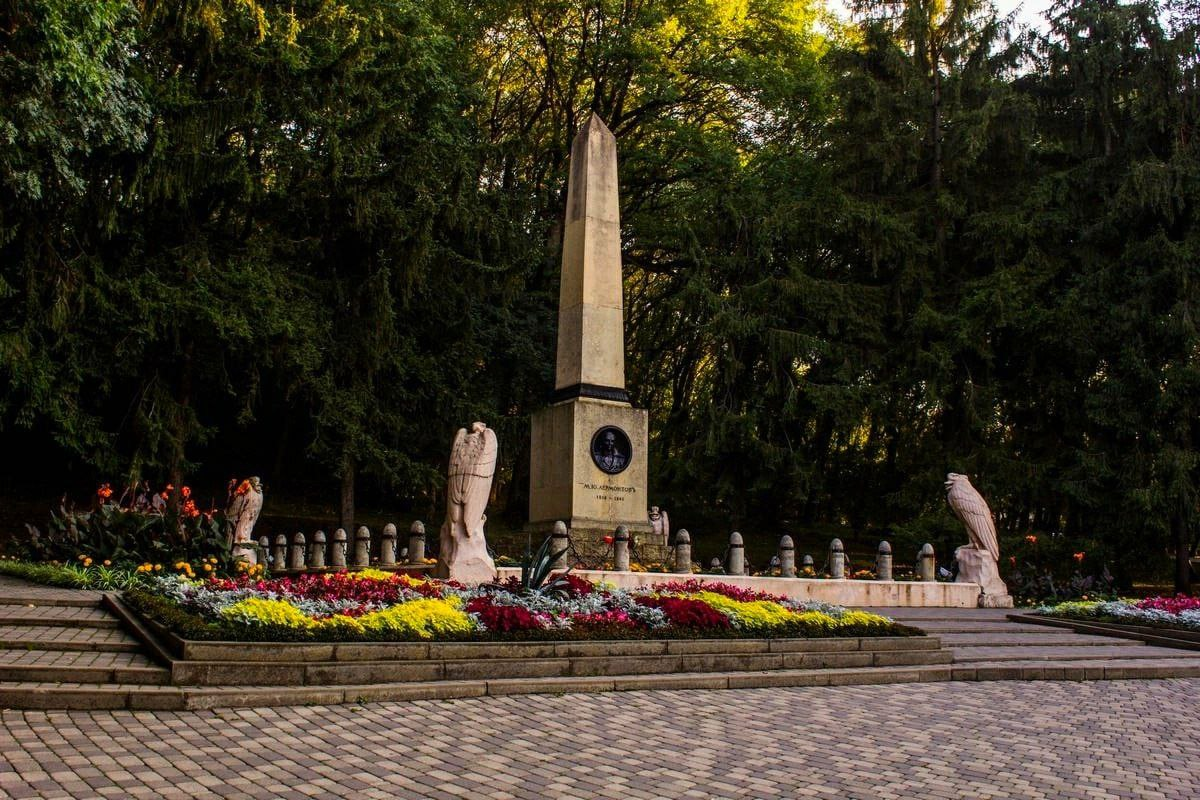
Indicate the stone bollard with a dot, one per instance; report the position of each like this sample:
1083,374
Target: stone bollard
837,559
808,563
926,564
298,548
362,547
737,555
683,551
337,553
559,541
279,554
416,543
264,549
787,557
883,562
714,566
316,558
621,549
387,546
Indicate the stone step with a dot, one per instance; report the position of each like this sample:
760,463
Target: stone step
1078,670
209,673
913,615
1020,639
943,627
1087,653
40,695
299,652
66,598
64,616
44,637
80,667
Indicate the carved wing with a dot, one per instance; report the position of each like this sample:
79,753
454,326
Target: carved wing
236,506
972,510
458,455
477,486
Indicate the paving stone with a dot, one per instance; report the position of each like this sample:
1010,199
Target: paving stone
1110,739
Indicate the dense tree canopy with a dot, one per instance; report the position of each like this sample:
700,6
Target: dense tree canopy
309,239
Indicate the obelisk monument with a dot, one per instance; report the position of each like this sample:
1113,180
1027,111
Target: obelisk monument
588,460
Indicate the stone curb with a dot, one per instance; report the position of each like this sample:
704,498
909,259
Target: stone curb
1184,640
82,697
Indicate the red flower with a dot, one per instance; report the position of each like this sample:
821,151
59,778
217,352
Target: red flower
105,491
1078,557
686,612
608,540
1031,539
732,592
503,619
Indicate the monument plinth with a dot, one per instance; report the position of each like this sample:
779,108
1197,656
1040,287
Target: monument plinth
589,453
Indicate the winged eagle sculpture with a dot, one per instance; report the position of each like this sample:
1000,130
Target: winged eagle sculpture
978,562
245,504
463,550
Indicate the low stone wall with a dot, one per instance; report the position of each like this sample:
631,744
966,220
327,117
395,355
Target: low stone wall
853,593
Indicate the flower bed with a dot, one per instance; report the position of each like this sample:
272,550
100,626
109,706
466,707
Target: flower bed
378,606
1167,612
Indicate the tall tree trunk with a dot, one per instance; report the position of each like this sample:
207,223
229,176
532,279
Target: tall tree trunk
1183,569
182,424
346,507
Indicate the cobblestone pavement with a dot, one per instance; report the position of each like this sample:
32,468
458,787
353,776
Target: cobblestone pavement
1108,739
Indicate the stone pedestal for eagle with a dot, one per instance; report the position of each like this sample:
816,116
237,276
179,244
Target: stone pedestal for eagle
462,552
978,562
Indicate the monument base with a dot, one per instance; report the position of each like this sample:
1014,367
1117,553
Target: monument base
566,481
978,567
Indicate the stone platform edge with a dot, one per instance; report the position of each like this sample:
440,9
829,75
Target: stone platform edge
842,592
1159,637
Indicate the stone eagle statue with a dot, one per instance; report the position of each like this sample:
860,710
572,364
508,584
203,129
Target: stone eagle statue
463,552
978,562
245,504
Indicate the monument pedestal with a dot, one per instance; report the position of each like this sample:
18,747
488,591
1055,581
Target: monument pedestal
593,484
978,566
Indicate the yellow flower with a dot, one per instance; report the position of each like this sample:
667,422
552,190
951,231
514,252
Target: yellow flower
207,568
372,574
257,611
158,567
424,618
107,563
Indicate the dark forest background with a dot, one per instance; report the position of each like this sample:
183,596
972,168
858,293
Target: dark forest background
309,239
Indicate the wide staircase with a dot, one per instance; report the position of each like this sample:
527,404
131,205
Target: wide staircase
80,650
1001,644
60,649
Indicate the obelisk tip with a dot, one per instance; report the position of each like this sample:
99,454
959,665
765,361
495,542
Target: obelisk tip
593,126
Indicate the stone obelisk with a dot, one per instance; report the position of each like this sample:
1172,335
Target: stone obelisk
588,460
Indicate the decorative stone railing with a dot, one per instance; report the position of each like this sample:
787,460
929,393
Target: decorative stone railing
341,552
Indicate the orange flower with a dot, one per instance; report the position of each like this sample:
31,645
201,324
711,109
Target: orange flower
190,510
105,491
1031,539
186,492
243,487
1078,557
166,492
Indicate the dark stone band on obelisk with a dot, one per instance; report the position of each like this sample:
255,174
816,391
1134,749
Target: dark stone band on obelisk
613,393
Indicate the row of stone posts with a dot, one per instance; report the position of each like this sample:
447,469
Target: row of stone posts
735,563
300,554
